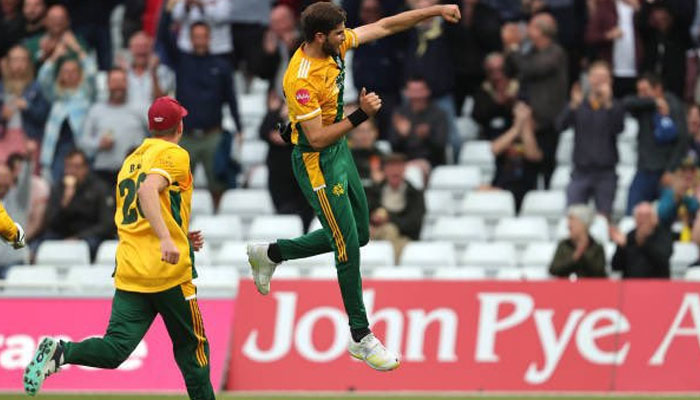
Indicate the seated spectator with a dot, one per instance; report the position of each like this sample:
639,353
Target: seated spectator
284,190
41,46
81,206
580,254
645,252
11,25
368,158
693,118
419,128
38,194
34,12
517,155
204,83
678,202
112,129
597,119
15,198
213,13
494,100
662,140
396,208
147,78
24,109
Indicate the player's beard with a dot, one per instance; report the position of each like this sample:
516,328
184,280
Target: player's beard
329,49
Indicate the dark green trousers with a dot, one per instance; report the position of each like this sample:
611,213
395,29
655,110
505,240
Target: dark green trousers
132,315
331,184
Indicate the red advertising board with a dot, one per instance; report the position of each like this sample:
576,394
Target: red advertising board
595,335
151,367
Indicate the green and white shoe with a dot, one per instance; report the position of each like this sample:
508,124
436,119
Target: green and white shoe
373,353
261,266
47,360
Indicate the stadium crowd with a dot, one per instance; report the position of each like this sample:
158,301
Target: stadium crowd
550,89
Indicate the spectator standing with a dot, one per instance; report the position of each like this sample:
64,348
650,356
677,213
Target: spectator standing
542,73
627,51
91,21
147,78
11,25
284,190
396,207
645,252
597,119
204,84
476,35
693,119
24,109
41,46
420,128
112,130
34,13
579,254
378,65
38,195
215,14
15,198
71,93
662,140
278,45
249,19
133,18
494,100
517,155
81,206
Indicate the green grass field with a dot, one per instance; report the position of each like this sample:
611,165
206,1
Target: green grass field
339,397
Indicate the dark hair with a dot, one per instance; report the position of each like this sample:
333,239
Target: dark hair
79,153
199,23
652,78
14,158
394,158
166,132
320,17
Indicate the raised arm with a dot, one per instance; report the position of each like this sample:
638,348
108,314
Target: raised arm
400,22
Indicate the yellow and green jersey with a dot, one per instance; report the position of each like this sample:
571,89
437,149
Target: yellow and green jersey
139,264
314,86
8,230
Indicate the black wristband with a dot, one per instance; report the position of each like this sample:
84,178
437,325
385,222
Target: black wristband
358,117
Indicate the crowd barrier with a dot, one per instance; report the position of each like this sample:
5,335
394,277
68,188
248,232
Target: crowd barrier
588,335
151,367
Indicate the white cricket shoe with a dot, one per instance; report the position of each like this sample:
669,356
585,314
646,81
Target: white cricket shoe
373,353
261,266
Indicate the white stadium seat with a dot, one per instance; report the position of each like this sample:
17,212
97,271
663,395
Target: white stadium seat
620,202
271,227
439,202
538,254
258,177
325,260
536,273
202,202
625,175
246,202
692,274
315,225
561,177
522,230
204,256
397,273
253,152
478,153
219,228
510,274
91,280
455,178
213,282
63,253
565,150
489,254
286,271
253,104
232,253
489,204
544,203
377,253
628,153
29,280
323,273
429,254
684,254
457,273
414,175
458,229
627,224
106,253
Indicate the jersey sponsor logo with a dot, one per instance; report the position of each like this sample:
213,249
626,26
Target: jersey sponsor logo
303,96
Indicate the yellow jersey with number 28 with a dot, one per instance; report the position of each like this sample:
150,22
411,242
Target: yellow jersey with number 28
139,265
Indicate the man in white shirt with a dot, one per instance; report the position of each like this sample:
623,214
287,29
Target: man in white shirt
147,78
215,13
